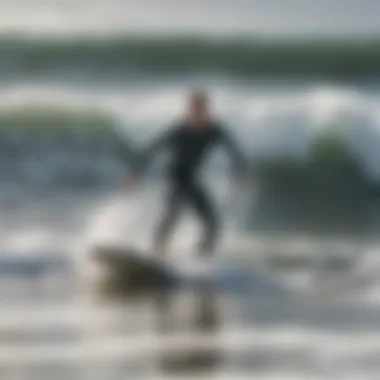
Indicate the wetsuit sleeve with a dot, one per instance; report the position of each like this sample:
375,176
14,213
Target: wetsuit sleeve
147,154
122,146
239,161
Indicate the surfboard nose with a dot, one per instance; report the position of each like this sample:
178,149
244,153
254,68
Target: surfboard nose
132,268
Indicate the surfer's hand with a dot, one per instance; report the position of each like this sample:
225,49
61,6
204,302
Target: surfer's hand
131,183
240,184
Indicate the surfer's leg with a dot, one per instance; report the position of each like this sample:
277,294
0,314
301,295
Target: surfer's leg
171,212
207,213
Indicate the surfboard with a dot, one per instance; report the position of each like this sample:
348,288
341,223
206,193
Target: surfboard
134,268
138,268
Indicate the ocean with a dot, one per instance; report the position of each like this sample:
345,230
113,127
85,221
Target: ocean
297,84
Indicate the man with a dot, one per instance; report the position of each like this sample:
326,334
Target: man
189,143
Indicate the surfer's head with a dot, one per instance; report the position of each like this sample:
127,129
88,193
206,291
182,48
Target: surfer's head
198,109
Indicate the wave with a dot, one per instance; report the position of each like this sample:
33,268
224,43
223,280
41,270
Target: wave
60,146
66,145
123,56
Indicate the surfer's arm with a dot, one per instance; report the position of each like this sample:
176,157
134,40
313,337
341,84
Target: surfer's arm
239,161
149,153
123,146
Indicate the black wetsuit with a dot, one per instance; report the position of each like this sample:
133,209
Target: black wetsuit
188,148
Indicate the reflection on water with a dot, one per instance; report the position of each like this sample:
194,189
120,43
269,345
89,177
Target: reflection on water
201,318
81,333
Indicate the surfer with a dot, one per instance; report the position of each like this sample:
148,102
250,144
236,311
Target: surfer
189,142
